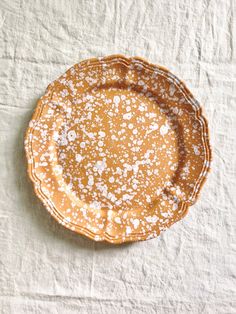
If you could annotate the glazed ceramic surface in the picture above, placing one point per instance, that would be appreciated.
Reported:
(117, 149)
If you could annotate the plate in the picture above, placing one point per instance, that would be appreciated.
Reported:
(117, 149)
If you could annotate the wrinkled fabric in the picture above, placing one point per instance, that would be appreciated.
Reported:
(191, 267)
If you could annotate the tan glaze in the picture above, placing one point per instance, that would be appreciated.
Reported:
(117, 149)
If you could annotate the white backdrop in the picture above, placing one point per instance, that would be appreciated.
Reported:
(191, 268)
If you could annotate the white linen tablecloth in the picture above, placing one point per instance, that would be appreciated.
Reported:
(191, 268)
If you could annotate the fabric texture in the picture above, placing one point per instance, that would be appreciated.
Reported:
(45, 268)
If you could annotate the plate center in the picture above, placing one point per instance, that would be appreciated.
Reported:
(118, 150)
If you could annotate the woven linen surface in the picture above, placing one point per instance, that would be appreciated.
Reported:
(191, 268)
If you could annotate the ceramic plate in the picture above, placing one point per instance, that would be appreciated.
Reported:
(117, 149)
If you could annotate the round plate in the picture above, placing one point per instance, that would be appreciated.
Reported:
(117, 149)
